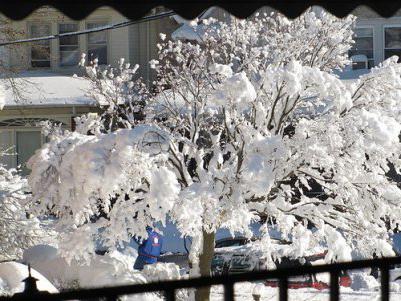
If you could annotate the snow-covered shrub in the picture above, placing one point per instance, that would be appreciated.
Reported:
(161, 271)
(118, 91)
(113, 267)
(103, 188)
(18, 231)
(363, 281)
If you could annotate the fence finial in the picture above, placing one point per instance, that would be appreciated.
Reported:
(30, 283)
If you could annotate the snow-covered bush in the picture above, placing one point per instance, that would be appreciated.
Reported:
(118, 91)
(241, 126)
(102, 188)
(17, 230)
(111, 268)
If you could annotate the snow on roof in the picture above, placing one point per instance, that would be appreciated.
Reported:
(188, 32)
(49, 90)
(192, 30)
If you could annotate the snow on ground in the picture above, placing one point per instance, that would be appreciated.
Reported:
(243, 291)
(13, 273)
(111, 269)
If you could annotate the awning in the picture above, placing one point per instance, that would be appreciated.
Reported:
(135, 9)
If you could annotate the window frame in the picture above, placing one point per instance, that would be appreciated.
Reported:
(385, 26)
(59, 45)
(105, 22)
(13, 129)
(373, 42)
(29, 24)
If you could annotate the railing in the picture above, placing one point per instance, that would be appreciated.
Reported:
(169, 288)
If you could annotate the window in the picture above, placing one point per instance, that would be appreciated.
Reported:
(69, 49)
(6, 148)
(19, 139)
(27, 143)
(392, 42)
(363, 45)
(40, 51)
(97, 44)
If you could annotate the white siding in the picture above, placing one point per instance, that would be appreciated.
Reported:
(143, 39)
(117, 40)
(378, 25)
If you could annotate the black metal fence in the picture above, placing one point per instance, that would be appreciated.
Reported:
(169, 288)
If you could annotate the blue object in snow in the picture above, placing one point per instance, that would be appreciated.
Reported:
(149, 250)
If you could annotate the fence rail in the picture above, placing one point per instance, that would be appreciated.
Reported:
(170, 287)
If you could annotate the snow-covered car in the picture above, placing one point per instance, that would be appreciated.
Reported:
(238, 255)
(319, 281)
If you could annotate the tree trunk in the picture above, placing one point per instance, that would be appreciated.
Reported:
(205, 262)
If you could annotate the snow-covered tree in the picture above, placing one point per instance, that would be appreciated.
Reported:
(249, 123)
(119, 93)
(102, 188)
(17, 230)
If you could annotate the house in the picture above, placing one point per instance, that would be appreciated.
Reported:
(49, 65)
(136, 43)
(375, 37)
(46, 97)
(45, 71)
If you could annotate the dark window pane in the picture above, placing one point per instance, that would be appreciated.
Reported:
(40, 30)
(364, 32)
(368, 53)
(69, 58)
(390, 52)
(64, 28)
(39, 52)
(27, 144)
(97, 44)
(99, 52)
(97, 38)
(392, 37)
(40, 64)
(69, 50)
(72, 40)
(363, 43)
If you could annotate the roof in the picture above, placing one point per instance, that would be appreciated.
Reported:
(47, 89)
(18, 9)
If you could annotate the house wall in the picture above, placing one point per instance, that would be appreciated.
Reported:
(368, 18)
(143, 40)
(9, 133)
(117, 39)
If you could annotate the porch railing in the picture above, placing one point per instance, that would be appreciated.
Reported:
(169, 288)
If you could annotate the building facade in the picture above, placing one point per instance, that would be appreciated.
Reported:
(51, 92)
(56, 95)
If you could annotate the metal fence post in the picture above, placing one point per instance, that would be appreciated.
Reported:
(283, 289)
(385, 283)
(229, 291)
(334, 286)
(170, 295)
